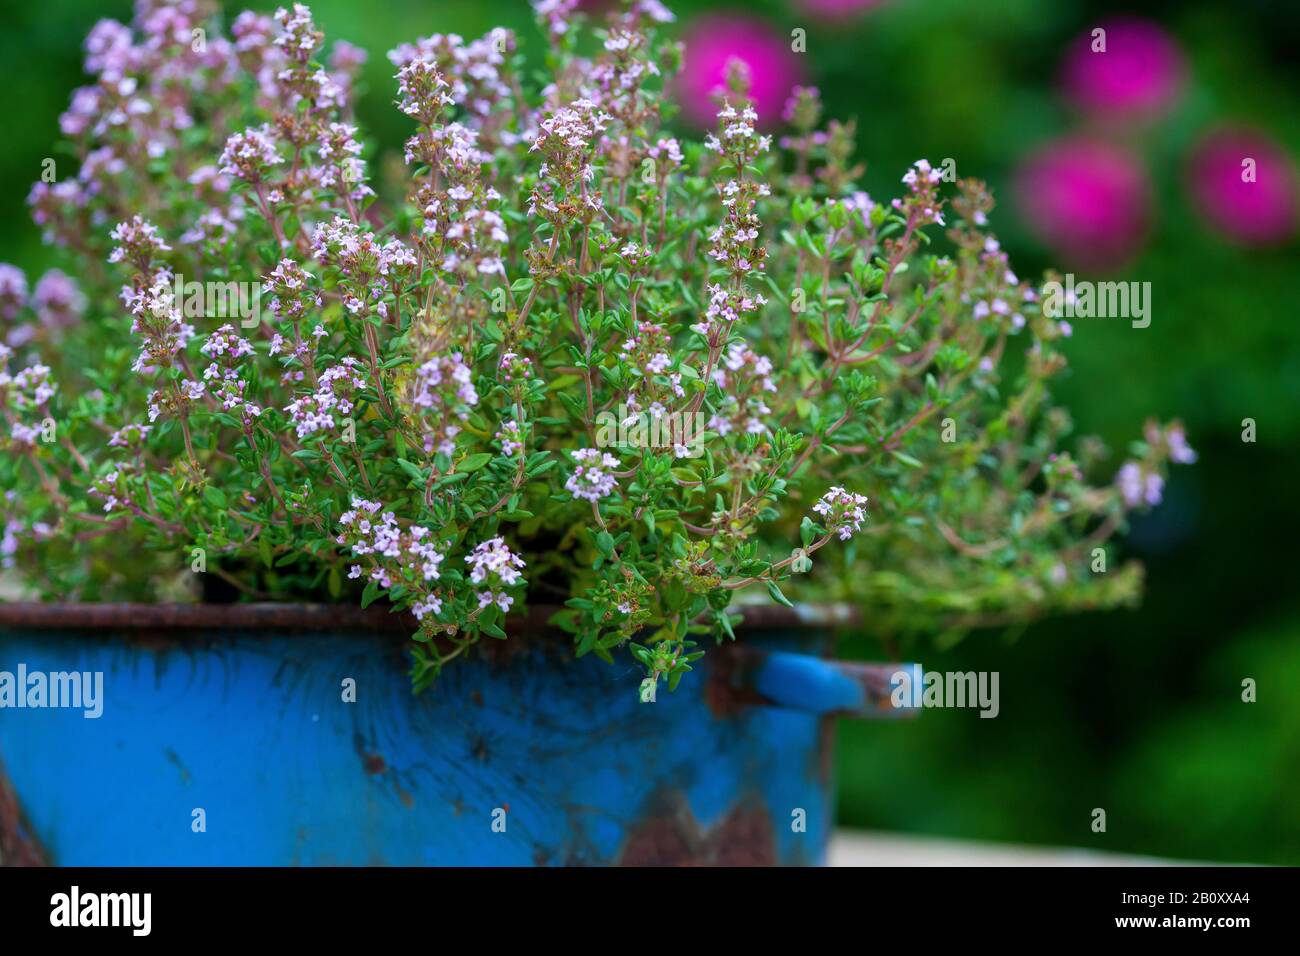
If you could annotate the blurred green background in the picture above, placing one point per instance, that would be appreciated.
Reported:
(1139, 713)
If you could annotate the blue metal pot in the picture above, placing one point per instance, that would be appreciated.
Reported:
(225, 738)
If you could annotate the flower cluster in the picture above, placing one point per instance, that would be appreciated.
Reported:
(442, 395)
(566, 139)
(745, 379)
(494, 568)
(842, 512)
(335, 393)
(25, 398)
(593, 477)
(1142, 482)
(53, 308)
(226, 349)
(392, 553)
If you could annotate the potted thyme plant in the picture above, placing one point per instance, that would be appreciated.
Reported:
(562, 368)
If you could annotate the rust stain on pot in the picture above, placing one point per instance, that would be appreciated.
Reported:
(373, 763)
(745, 837)
(671, 836)
(174, 759)
(479, 748)
(824, 756)
(727, 692)
(18, 847)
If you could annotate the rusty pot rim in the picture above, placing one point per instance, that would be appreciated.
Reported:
(336, 618)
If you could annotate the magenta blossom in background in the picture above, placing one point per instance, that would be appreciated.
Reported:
(1086, 199)
(714, 40)
(1139, 75)
(837, 9)
(1258, 212)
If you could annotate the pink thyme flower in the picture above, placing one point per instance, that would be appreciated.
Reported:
(1086, 199)
(365, 265)
(473, 70)
(345, 171)
(424, 92)
(158, 320)
(177, 400)
(557, 14)
(130, 436)
(1170, 440)
(1244, 185)
(515, 366)
(13, 291)
(299, 38)
(57, 300)
(1138, 486)
(494, 566)
(592, 479)
(511, 438)
(442, 393)
(335, 392)
(138, 243)
(861, 204)
(1180, 453)
(842, 511)
(251, 154)
(712, 42)
(922, 204)
(1138, 76)
(32, 387)
(226, 348)
(567, 138)
(113, 488)
(291, 295)
(409, 556)
(744, 377)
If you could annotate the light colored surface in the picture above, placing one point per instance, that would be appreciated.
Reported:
(866, 848)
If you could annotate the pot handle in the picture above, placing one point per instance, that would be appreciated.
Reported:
(818, 685)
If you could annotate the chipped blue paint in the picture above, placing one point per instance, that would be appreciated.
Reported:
(252, 729)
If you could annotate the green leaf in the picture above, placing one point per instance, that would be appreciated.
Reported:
(414, 471)
(777, 596)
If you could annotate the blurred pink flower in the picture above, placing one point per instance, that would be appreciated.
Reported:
(713, 40)
(1086, 199)
(1138, 76)
(837, 9)
(1251, 204)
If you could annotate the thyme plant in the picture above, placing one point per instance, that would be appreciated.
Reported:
(561, 354)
